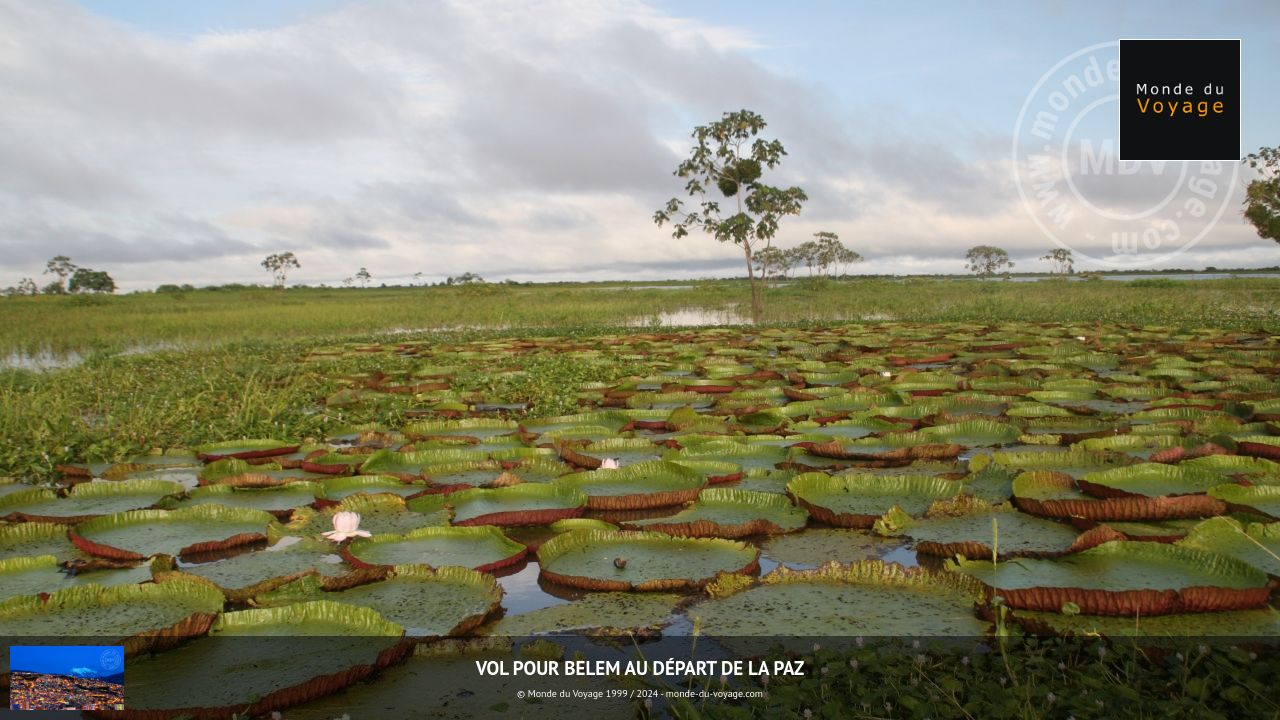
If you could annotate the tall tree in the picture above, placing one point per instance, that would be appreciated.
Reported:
(771, 258)
(94, 281)
(987, 260)
(62, 267)
(364, 277)
(279, 265)
(1262, 196)
(729, 156)
(1060, 260)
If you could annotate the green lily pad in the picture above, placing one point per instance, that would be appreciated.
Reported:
(88, 499)
(972, 533)
(31, 575)
(139, 534)
(1255, 543)
(974, 433)
(523, 504)
(819, 546)
(482, 548)
(273, 499)
(1125, 578)
(1149, 480)
(729, 513)
(603, 560)
(425, 601)
(244, 449)
(31, 538)
(115, 612)
(379, 514)
(857, 500)
(244, 575)
(338, 488)
(1264, 499)
(636, 487)
(869, 598)
(1252, 624)
(332, 645)
(605, 614)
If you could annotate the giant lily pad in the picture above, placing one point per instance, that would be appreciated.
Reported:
(1056, 495)
(974, 433)
(604, 614)
(340, 487)
(1125, 578)
(410, 465)
(729, 513)
(972, 529)
(618, 560)
(425, 601)
(482, 548)
(331, 646)
(1148, 480)
(865, 598)
(1255, 543)
(244, 575)
(636, 487)
(279, 500)
(857, 500)
(1263, 499)
(42, 574)
(379, 514)
(819, 546)
(138, 534)
(1252, 624)
(523, 504)
(87, 500)
(30, 538)
(147, 615)
(244, 449)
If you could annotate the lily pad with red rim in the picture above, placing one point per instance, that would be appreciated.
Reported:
(636, 487)
(729, 513)
(483, 549)
(244, 449)
(648, 561)
(1125, 578)
(425, 601)
(138, 534)
(857, 500)
(521, 504)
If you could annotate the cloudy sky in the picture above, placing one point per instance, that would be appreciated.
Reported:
(181, 142)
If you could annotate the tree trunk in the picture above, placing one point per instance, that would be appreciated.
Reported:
(757, 302)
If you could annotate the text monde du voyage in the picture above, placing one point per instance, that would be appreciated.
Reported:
(1179, 99)
(680, 668)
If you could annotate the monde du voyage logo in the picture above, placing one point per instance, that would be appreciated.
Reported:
(1126, 152)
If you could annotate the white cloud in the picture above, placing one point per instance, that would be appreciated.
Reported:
(518, 140)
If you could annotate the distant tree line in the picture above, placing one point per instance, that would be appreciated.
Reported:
(69, 278)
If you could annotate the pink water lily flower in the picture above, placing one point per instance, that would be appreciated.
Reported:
(346, 525)
(609, 464)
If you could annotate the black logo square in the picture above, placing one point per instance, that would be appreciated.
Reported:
(1180, 100)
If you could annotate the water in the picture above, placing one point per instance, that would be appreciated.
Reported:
(692, 317)
(46, 359)
(1163, 276)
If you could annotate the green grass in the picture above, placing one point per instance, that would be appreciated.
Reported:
(59, 325)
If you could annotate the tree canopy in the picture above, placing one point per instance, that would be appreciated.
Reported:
(1262, 196)
(729, 156)
(987, 260)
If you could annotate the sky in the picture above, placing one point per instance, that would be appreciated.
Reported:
(80, 660)
(182, 142)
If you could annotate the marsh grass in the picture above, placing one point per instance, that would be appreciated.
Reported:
(32, 325)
